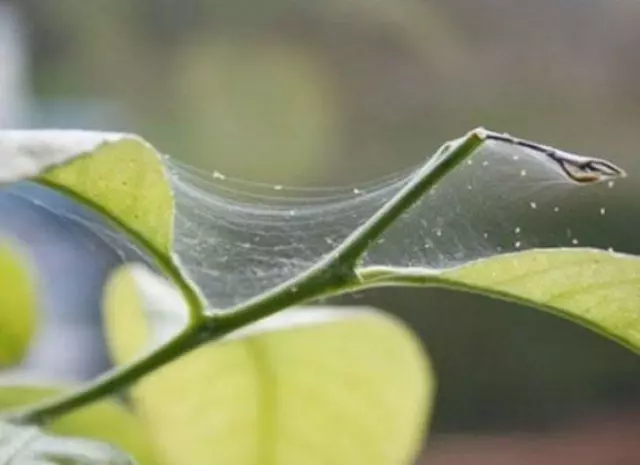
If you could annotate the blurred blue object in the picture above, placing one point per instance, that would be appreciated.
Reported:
(72, 262)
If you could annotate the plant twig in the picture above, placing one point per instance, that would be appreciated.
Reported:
(334, 274)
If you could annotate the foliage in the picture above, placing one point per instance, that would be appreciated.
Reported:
(313, 384)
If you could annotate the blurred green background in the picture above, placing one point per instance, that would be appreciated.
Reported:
(337, 91)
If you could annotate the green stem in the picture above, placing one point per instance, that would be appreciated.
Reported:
(439, 166)
(108, 384)
(334, 274)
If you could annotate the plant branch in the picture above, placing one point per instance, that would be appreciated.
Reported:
(109, 384)
(336, 273)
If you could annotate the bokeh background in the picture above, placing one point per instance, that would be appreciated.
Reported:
(330, 92)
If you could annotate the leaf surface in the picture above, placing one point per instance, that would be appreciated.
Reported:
(18, 305)
(313, 386)
(596, 288)
(117, 174)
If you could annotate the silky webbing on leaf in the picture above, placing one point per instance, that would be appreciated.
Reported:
(238, 239)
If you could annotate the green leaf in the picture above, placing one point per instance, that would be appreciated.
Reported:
(104, 421)
(155, 311)
(18, 304)
(27, 445)
(598, 289)
(318, 385)
(118, 174)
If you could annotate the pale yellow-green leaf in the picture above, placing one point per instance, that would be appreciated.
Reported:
(18, 305)
(104, 421)
(312, 386)
(160, 311)
(118, 174)
(596, 288)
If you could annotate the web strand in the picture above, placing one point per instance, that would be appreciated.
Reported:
(238, 243)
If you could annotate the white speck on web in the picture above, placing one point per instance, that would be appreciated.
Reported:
(533, 205)
(218, 175)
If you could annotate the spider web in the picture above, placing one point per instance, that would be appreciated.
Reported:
(238, 239)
